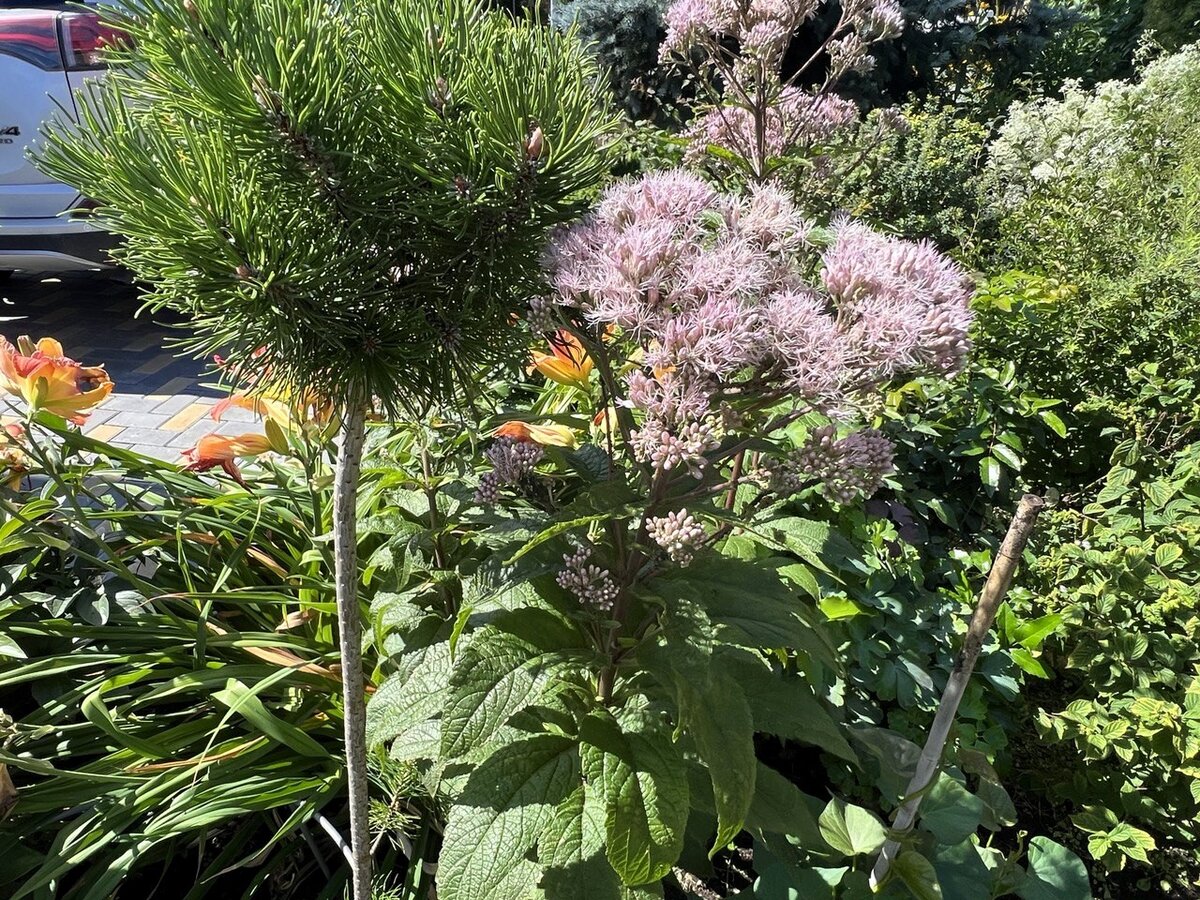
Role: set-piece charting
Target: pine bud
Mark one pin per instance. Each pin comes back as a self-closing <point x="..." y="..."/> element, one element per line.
<point x="534" y="145"/>
<point x="189" y="7"/>
<point x="244" y="272"/>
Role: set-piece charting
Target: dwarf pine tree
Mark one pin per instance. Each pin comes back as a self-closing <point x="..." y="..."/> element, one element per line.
<point x="347" y="199"/>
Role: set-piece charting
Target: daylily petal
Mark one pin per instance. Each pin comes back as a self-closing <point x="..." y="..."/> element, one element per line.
<point x="566" y="363"/>
<point x="547" y="435"/>
<point x="42" y="376"/>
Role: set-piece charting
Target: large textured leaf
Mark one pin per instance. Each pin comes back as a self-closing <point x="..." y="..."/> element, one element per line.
<point x="751" y="606"/>
<point x="641" y="780"/>
<point x="500" y="816"/>
<point x="782" y="808"/>
<point x="785" y="705"/>
<point x="411" y="696"/>
<point x="494" y="677"/>
<point x="713" y="711"/>
<point x="718" y="719"/>
<point x="571" y="852"/>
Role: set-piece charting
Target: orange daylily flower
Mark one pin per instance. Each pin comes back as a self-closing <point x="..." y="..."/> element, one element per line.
<point x="566" y="363"/>
<point x="547" y="435"/>
<point x="315" y="416"/>
<point x="215" y="450"/>
<point x="47" y="379"/>
<point x="14" y="464"/>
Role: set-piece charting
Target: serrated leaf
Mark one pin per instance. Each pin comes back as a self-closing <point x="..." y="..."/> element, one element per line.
<point x="571" y="851"/>
<point x="782" y="808"/>
<point x="718" y="719"/>
<point x="499" y="817"/>
<point x="785" y="706"/>
<point x="641" y="779"/>
<point x="851" y="829"/>
<point x="411" y="696"/>
<point x="496" y="676"/>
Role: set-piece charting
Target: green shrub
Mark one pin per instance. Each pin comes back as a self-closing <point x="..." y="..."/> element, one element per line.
<point x="919" y="180"/>
<point x="1097" y="202"/>
<point x="1118" y="731"/>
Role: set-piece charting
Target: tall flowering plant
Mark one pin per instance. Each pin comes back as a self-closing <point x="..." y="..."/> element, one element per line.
<point x="762" y="114"/>
<point x="634" y="610"/>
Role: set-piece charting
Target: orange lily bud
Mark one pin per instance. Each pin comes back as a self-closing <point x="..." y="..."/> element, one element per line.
<point x="221" y="450"/>
<point x="14" y="464"/>
<point x="566" y="363"/>
<point x="546" y="435"/>
<point x="46" y="379"/>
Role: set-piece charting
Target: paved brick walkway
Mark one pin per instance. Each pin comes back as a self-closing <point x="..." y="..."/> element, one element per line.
<point x="160" y="404"/>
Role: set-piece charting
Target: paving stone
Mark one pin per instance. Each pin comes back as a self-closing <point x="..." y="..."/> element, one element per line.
<point x="131" y="419"/>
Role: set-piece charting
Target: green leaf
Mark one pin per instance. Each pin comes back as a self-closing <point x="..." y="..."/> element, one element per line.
<point x="751" y="606"/>
<point x="10" y="648"/>
<point x="1028" y="662"/>
<point x="989" y="471"/>
<point x="1052" y="419"/>
<point x="1054" y="873"/>
<point x="782" y="808"/>
<point x="641" y="778"/>
<point x="1165" y="554"/>
<point x="961" y="873"/>
<point x="572" y="852"/>
<point x="784" y="705"/>
<point x="242" y="700"/>
<point x="950" y="811"/>
<point x="836" y="608"/>
<point x="712" y="710"/>
<point x="555" y="530"/>
<point x="411" y="696"/>
<point x="918" y="875"/>
<point x="499" y="817"/>
<point x="1030" y="635"/>
<point x="851" y="829"/>
<point x="495" y="676"/>
<point x="1007" y="456"/>
<point x="718" y="719"/>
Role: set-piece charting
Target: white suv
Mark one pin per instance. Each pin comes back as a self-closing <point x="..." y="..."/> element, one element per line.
<point x="47" y="50"/>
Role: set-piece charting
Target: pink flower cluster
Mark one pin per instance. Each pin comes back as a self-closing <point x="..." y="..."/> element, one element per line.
<point x="762" y="26"/>
<point x="592" y="585"/>
<point x="846" y="469"/>
<point x="716" y="294"/>
<point x="797" y="119"/>
<point x="679" y="533"/>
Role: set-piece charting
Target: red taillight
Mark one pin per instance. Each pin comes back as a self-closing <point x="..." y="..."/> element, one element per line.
<point x="32" y="37"/>
<point x="85" y="38"/>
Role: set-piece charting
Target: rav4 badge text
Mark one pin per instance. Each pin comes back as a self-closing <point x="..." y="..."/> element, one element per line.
<point x="8" y="133"/>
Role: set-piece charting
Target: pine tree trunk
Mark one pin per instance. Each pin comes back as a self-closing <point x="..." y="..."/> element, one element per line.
<point x="345" y="545"/>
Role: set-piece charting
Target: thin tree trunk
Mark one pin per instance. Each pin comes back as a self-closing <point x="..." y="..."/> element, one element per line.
<point x="993" y="595"/>
<point x="345" y="548"/>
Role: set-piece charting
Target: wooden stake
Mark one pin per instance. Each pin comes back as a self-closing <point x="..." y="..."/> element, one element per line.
<point x="999" y="580"/>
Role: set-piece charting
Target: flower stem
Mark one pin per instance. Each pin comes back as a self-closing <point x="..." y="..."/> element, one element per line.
<point x="345" y="546"/>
